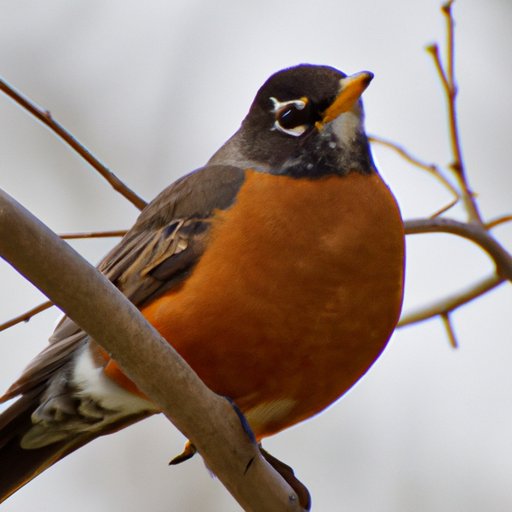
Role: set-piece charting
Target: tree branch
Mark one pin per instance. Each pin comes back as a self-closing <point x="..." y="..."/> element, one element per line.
<point x="474" y="232"/>
<point x="46" y="118"/>
<point x="450" y="331"/>
<point x="451" y="303"/>
<point x="447" y="78"/>
<point x="498" y="221"/>
<point x="26" y="316"/>
<point x="93" y="234"/>
<point x="207" y="419"/>
<point x="433" y="169"/>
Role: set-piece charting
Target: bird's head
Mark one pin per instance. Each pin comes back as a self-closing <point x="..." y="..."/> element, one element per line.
<point x="305" y="121"/>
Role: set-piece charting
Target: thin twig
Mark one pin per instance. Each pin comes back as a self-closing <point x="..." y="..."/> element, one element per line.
<point x="452" y="302"/>
<point x="498" y="221"/>
<point x="444" y="209"/>
<point x="433" y="49"/>
<point x="431" y="168"/>
<point x="450" y="331"/>
<point x="446" y="9"/>
<point x="46" y="118"/>
<point x="450" y="90"/>
<point x="25" y="317"/>
<point x="93" y="234"/>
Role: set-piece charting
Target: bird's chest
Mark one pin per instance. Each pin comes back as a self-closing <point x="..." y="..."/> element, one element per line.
<point x="305" y="253"/>
<point x="299" y="289"/>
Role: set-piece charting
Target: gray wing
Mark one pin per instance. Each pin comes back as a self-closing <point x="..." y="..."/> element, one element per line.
<point x="157" y="253"/>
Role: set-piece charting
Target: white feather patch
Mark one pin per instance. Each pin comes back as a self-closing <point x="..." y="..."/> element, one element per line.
<point x="93" y="384"/>
<point x="346" y="126"/>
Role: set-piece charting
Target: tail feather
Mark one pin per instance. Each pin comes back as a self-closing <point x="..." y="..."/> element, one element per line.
<point x="18" y="465"/>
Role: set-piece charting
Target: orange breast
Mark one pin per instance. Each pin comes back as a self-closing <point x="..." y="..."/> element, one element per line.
<point x="295" y="297"/>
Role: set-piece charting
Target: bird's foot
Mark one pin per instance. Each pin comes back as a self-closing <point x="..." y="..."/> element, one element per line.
<point x="289" y="476"/>
<point x="188" y="452"/>
<point x="243" y="420"/>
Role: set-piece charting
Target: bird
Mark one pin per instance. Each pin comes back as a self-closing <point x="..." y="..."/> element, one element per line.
<point x="276" y="271"/>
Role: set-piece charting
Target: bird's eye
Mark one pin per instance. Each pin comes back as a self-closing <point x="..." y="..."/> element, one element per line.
<point x="292" y="117"/>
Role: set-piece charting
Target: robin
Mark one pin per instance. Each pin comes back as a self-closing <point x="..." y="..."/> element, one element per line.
<point x="276" y="271"/>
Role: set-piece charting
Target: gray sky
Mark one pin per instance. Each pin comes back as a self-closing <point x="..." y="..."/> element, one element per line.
<point x="154" y="89"/>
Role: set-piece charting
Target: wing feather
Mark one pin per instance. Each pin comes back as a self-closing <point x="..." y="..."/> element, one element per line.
<point x="158" y="252"/>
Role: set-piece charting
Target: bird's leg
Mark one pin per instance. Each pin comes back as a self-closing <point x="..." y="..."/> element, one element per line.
<point x="243" y="420"/>
<point x="283" y="469"/>
<point x="190" y="450"/>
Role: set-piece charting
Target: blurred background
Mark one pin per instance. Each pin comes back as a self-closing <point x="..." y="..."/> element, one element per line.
<point x="153" y="89"/>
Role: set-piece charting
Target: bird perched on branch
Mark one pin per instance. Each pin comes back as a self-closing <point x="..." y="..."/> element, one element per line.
<point x="276" y="271"/>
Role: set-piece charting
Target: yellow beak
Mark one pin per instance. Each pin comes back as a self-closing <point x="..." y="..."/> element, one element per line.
<point x="351" y="88"/>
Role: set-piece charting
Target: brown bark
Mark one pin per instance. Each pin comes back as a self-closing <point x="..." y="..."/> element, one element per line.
<point x="100" y="309"/>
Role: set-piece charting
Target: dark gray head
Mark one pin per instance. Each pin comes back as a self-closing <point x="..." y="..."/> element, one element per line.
<point x="304" y="121"/>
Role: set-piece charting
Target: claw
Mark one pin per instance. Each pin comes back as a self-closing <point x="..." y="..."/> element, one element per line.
<point x="187" y="453"/>
<point x="287" y="473"/>
<point x="243" y="420"/>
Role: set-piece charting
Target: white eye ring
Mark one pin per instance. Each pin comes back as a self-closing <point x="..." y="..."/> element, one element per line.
<point x="296" y="131"/>
<point x="279" y="105"/>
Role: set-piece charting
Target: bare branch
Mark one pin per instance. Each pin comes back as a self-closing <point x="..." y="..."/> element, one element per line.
<point x="46" y="118"/>
<point x="444" y="209"/>
<point x="413" y="160"/>
<point x="433" y="169"/>
<point x="446" y="9"/>
<point x="474" y="232"/>
<point x="93" y="234"/>
<point x="451" y="303"/>
<point x="450" y="331"/>
<point x="25" y="317"/>
<point x="207" y="419"/>
<point x="498" y="221"/>
<point x="450" y="90"/>
<point x="433" y="49"/>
